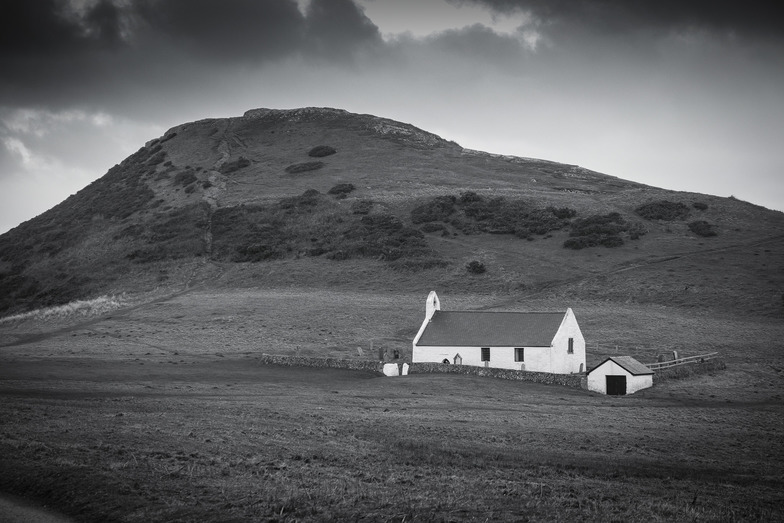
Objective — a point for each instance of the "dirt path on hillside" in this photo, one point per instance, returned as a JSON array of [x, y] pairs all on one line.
[[30, 338], [689, 254]]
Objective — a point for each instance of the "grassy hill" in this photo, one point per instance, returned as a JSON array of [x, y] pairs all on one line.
[[324, 198], [318, 233]]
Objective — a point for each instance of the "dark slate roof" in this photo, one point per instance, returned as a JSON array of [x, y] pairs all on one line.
[[491, 329], [634, 367]]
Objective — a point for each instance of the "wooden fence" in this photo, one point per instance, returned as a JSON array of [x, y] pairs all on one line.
[[621, 349], [681, 361]]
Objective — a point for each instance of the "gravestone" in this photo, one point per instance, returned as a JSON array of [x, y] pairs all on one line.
[[391, 369]]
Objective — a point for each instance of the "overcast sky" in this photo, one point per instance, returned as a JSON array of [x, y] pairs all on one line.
[[685, 95]]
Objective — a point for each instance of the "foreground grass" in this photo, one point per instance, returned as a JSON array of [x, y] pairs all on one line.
[[236, 441]]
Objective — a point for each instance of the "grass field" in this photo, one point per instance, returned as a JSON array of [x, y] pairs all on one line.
[[159, 411]]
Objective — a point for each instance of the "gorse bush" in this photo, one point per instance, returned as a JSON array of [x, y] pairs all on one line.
[[321, 150], [471, 213], [312, 224], [608, 224], [701, 206], [341, 190], [542, 221], [385, 237], [156, 158], [702, 228], [235, 165], [185, 178], [563, 213], [636, 230], [465, 226], [436, 209], [483, 209], [601, 230], [476, 267], [249, 233], [173, 235], [663, 210]]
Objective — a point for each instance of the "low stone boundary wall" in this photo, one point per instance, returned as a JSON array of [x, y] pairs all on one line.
[[328, 363], [567, 380], [689, 369]]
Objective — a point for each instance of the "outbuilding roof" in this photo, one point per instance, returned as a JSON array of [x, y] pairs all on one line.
[[491, 329], [632, 366]]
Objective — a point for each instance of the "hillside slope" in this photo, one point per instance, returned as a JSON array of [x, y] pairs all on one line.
[[320, 197]]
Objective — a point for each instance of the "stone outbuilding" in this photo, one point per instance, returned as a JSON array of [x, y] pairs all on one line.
[[533, 341], [619, 375]]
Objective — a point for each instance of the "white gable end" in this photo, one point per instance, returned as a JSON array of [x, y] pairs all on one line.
[[568, 357]]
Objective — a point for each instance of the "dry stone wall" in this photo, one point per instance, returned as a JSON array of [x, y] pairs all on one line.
[[328, 363], [567, 380]]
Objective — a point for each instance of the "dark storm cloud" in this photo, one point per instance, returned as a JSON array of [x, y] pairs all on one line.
[[478, 41], [234, 30], [30, 28], [750, 19], [33, 26], [55, 54], [104, 23], [335, 27]]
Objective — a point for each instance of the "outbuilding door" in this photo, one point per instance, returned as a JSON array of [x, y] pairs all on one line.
[[616, 385]]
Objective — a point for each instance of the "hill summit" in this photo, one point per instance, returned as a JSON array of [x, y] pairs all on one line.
[[320, 197]]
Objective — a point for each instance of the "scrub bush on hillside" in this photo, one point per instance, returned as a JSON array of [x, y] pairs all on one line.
[[235, 165], [436, 209], [471, 213], [313, 224], [476, 267], [341, 190], [321, 150], [174, 235], [702, 228], [663, 210], [604, 230]]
